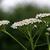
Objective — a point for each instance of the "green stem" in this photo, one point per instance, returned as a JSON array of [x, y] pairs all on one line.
[[31, 40], [41, 44], [37, 32], [41, 31], [48, 42], [37, 39], [14, 39], [49, 46], [24, 33]]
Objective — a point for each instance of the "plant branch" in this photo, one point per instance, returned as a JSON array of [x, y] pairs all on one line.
[[41, 44], [14, 39], [31, 40]]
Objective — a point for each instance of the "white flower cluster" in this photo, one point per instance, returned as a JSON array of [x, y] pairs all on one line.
[[41, 15], [4, 22], [25, 22]]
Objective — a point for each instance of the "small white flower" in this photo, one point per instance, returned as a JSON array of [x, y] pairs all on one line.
[[35, 26], [4, 22], [14, 27], [44, 21], [25, 22], [48, 29], [47, 25]]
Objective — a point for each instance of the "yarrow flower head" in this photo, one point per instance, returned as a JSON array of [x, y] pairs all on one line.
[[25, 22], [41, 15], [4, 22]]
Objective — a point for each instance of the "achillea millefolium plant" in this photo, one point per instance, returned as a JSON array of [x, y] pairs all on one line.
[[29, 34]]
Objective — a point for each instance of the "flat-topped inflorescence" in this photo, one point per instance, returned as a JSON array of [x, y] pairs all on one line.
[[25, 22], [4, 22], [41, 15]]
